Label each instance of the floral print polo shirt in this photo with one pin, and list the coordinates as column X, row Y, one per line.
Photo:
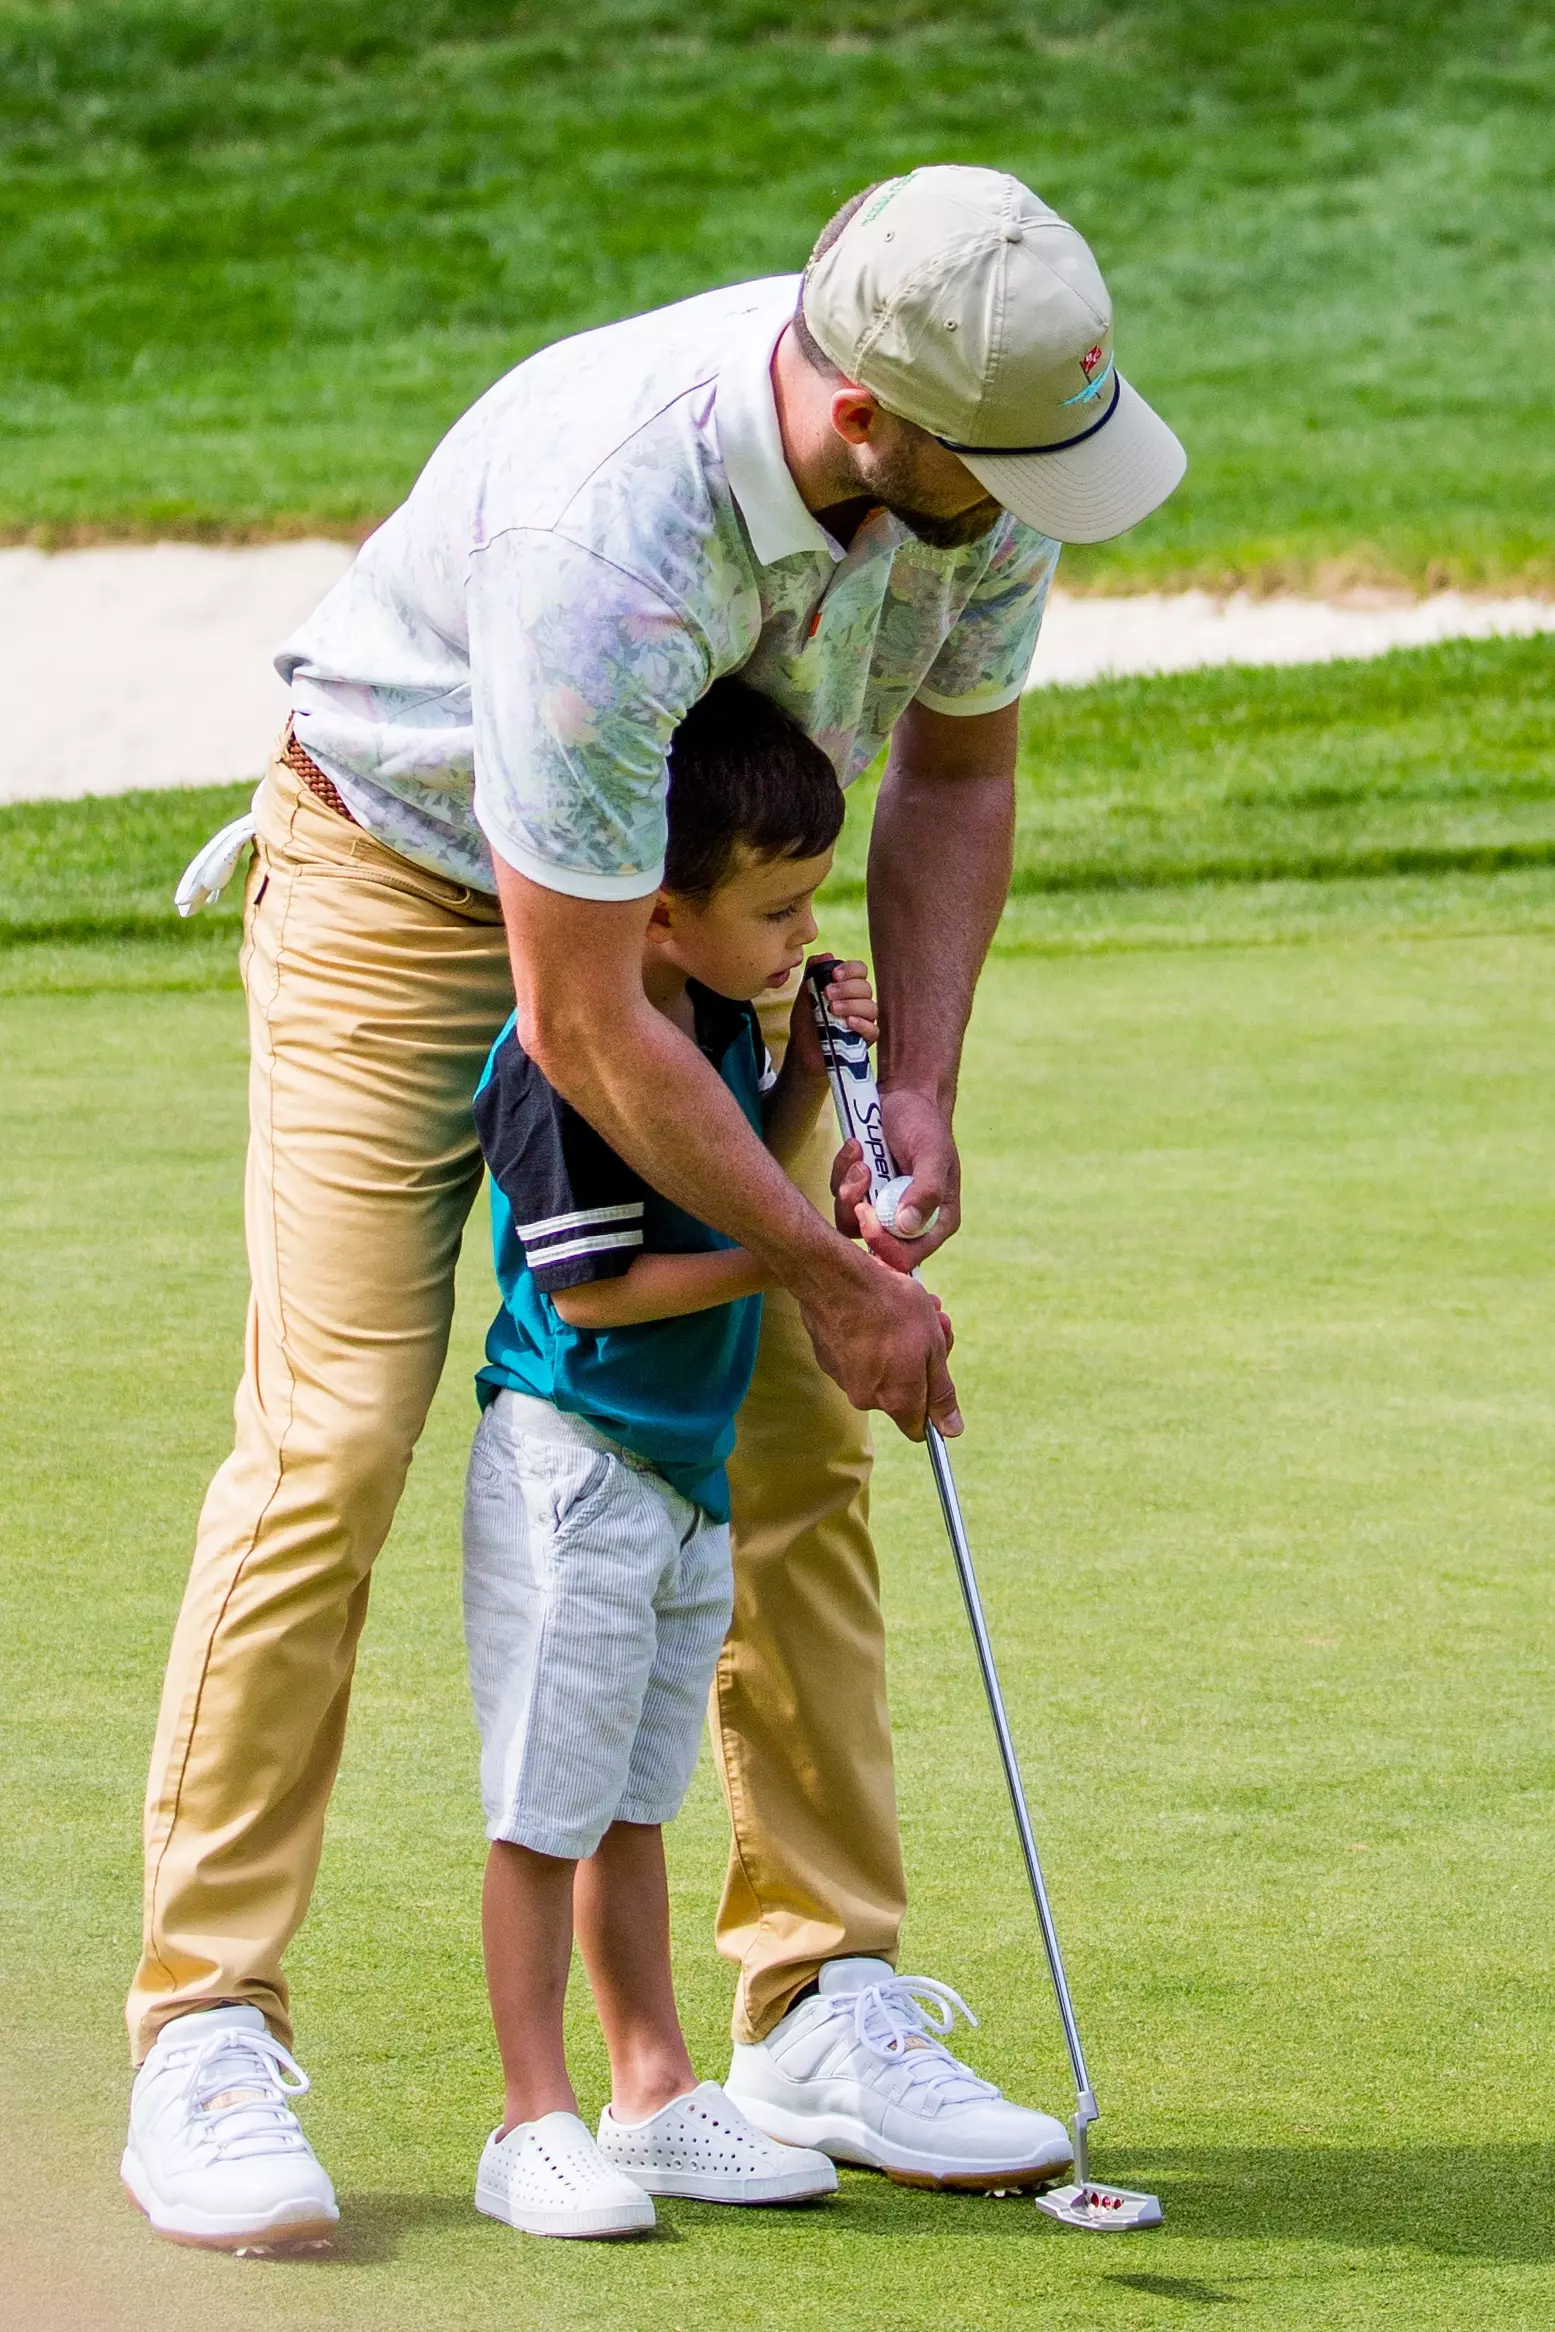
column 605, row 533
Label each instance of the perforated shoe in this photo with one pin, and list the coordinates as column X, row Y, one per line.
column 548, row 2177
column 702, row 2147
column 861, row 2071
column 215, row 2153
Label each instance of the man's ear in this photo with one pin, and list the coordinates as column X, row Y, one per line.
column 661, row 915
column 855, row 413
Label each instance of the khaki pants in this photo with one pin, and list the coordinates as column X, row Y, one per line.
column 374, row 993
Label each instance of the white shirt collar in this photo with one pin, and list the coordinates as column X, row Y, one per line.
column 745, row 415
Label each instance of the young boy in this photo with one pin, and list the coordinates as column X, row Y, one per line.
column 597, row 1582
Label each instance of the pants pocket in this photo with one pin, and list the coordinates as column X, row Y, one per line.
column 576, row 1491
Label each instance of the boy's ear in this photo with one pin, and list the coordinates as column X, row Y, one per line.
column 662, row 914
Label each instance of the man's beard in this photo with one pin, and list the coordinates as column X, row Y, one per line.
column 891, row 487
column 949, row 534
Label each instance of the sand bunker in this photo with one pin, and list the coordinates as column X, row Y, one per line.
column 151, row 666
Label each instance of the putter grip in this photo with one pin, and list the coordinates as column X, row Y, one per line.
column 856, row 1096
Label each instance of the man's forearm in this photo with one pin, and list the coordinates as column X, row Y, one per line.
column 939, row 873
column 664, row 1109
column 585, row 1020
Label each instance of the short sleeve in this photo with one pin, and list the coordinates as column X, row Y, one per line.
column 986, row 660
column 577, row 1208
column 579, row 673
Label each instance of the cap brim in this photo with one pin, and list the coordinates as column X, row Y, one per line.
column 1088, row 492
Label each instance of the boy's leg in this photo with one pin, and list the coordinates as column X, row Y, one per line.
column 374, row 994
column 526, row 1933
column 800, row 1726
column 622, row 1907
column 666, row 2130
column 567, row 1547
column 622, row 1899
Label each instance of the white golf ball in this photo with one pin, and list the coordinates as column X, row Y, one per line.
column 886, row 1201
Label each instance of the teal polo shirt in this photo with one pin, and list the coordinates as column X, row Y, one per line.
column 566, row 1210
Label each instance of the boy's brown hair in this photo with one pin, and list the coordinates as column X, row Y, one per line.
column 742, row 771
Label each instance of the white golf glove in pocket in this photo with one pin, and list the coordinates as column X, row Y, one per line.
column 213, row 865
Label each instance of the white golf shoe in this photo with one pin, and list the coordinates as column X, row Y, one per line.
column 702, row 2147
column 861, row 2071
column 548, row 2177
column 215, row 2153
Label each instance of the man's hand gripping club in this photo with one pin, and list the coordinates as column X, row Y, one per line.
column 870, row 1195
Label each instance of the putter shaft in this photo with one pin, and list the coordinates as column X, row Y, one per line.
column 833, row 1038
column 955, row 1530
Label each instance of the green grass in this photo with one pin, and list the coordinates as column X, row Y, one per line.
column 1248, row 804
column 1253, row 1303
column 254, row 258
column 1429, row 761
column 104, row 868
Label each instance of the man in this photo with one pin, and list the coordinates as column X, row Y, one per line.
column 855, row 501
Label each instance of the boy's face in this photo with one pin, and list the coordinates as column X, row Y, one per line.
column 751, row 932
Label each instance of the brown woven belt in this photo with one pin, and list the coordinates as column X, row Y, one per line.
column 314, row 779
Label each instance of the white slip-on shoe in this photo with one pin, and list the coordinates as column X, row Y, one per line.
column 548, row 2177
column 861, row 2070
column 215, row 2153
column 701, row 2146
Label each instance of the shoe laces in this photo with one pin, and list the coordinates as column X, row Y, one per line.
column 903, row 2021
column 238, row 2087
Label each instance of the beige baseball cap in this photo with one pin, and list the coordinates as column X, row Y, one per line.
column 971, row 308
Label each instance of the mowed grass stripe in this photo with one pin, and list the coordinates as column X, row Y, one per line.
column 256, row 257
column 1426, row 761
column 105, row 867
column 1429, row 761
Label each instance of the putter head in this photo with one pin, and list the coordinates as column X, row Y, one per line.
column 1100, row 2210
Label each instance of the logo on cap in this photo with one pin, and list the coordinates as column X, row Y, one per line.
column 1095, row 379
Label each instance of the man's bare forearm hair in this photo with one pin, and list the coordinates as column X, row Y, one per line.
column 940, row 858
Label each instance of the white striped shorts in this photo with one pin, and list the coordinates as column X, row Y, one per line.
column 595, row 1602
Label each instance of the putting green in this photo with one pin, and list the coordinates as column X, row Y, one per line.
column 1254, row 1303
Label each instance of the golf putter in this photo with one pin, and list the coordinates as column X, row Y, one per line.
column 1081, row 2203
